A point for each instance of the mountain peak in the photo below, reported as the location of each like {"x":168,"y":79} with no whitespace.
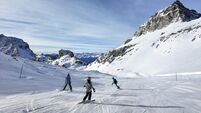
{"x":173,"y":13}
{"x":15,"y":47}
{"x":183,"y":13}
{"x":177,"y":2}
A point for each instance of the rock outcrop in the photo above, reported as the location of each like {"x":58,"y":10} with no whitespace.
{"x":175,"y":12}
{"x":15,"y":47}
{"x":63,"y":52}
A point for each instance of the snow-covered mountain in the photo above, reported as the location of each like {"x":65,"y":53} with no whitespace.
{"x":66,"y":58}
{"x":46,"y":58}
{"x":28,"y":86}
{"x":15,"y":47}
{"x":169,"y":42}
{"x":38,"y":91}
{"x":68,"y":62}
{"x":87,"y":57}
{"x":174,"y":13}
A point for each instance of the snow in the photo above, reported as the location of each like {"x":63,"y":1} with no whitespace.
{"x":150,"y":56}
{"x":38,"y":91}
{"x":68,"y":62}
{"x":87,"y":57}
{"x":66,"y":59}
{"x":160,"y":74}
{"x":15,"y":47}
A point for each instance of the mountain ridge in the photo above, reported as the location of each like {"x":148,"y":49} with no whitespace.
{"x":173,"y":13}
{"x":15,"y":47}
{"x":155,"y":51}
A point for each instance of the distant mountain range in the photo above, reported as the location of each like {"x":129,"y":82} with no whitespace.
{"x":87,"y":58}
{"x":18,"y":48}
{"x":169,"y":42}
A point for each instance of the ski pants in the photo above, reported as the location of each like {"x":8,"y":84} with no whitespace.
{"x":69,"y":86}
{"x":88,"y":94}
{"x":117,"y":86}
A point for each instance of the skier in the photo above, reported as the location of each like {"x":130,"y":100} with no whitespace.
{"x":88,"y":85}
{"x":115,"y":82}
{"x":68,"y":82}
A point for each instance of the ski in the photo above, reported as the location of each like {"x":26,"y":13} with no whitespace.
{"x":87,"y":101}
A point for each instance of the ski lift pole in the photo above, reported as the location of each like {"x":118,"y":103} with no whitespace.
{"x":21,"y":70}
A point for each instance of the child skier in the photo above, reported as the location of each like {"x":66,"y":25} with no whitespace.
{"x":88,"y":85}
{"x":115,"y":82}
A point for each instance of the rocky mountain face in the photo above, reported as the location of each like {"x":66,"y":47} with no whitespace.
{"x":175,"y":12}
{"x":66,"y":52}
{"x":15,"y":47}
{"x":111,"y":55}
{"x":46,"y":57}
{"x":67,"y":59}
{"x":68,"y":62}
{"x":166,"y":40}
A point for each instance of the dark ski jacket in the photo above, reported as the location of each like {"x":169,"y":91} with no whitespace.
{"x":114,"y":81}
{"x":68,"y":79}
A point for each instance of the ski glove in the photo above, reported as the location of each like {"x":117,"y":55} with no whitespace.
{"x":94,"y":89}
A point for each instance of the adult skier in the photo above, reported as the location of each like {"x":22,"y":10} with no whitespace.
{"x":89,"y":87}
{"x":115,"y":82}
{"x":68,"y":82}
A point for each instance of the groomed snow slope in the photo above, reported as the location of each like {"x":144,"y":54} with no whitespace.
{"x":173,"y":49}
{"x":38,"y":91}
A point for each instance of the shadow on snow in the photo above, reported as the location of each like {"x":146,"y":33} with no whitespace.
{"x":141,"y":106}
{"x":138,"y":89}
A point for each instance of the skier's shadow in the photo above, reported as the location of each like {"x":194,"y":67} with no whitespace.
{"x":140,"y":106}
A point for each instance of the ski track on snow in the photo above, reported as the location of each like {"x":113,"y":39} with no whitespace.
{"x":155,"y":94}
{"x":152,"y":97}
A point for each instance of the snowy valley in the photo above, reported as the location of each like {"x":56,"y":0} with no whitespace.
{"x":39,"y":91}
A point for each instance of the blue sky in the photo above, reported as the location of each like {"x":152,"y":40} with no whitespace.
{"x":78,"y":25}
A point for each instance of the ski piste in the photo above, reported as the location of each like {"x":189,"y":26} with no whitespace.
{"x":87,"y":101}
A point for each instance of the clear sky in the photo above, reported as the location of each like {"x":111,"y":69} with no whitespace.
{"x":78,"y":25}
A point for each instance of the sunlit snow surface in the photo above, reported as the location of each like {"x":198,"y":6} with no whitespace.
{"x":173,"y":49}
{"x":38,"y":91}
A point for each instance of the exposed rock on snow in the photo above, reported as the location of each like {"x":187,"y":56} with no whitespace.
{"x":170,"y":43}
{"x":111,"y":55}
{"x":68,"y":61}
{"x":65,"y":58}
{"x":15,"y":47}
{"x":46,"y":57}
{"x":128,"y":40}
{"x":175,"y":12}
{"x":65,"y":52}
{"x":87,"y":58}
